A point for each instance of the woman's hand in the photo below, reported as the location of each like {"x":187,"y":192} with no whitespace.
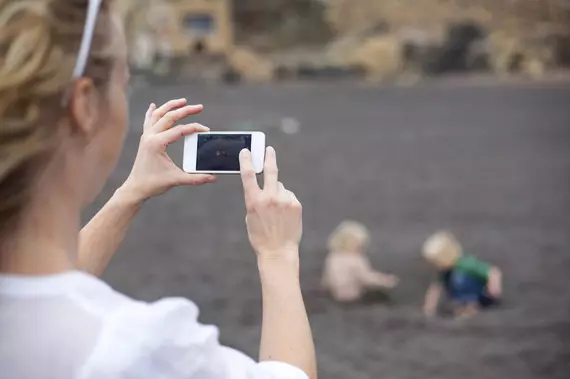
{"x":274,"y":225}
{"x":154,"y":172}
{"x":274,"y":215}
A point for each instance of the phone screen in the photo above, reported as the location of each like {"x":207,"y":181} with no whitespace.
{"x":220,"y":152}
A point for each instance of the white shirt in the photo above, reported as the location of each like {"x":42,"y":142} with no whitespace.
{"x":75,"y":326}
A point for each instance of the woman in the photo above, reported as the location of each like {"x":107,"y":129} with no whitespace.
{"x":63,"y":115}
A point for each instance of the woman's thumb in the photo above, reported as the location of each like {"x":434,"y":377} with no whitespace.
{"x":194,"y":179}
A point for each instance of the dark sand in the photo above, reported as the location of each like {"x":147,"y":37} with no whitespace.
{"x":491,"y":163}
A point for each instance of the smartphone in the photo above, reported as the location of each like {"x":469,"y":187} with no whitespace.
{"x":218,"y":152}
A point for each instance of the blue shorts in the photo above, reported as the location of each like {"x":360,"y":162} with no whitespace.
{"x":464,"y":289}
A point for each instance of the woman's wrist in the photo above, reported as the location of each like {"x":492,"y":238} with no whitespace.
{"x":281,"y":265}
{"x":128,"y":196}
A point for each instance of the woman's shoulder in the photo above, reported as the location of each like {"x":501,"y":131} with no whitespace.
{"x":147,"y":323}
{"x":141,"y":337}
{"x":124,"y":315}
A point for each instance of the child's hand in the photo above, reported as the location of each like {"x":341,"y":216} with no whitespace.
{"x":494,"y":290}
{"x":391,"y":281}
{"x":433,"y":295}
{"x":494,"y":284}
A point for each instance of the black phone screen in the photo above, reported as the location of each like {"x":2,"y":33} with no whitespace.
{"x":220,"y":152}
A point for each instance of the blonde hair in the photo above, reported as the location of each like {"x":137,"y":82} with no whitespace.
{"x":39,"y":43}
{"x":347,"y":235}
{"x":442,"y":249}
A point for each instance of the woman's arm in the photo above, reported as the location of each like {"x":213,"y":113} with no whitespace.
{"x":286,"y":332}
{"x":153,"y":173}
{"x":101,"y":237}
{"x":433,"y":295}
{"x":274,"y":224}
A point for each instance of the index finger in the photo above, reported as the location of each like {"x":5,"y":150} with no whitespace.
{"x":159,"y":112}
{"x":270,"y":172}
{"x":248,"y":177}
{"x":168,"y":120}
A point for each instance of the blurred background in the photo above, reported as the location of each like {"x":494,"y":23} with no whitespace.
{"x":406,"y":115}
{"x":378,"y":40}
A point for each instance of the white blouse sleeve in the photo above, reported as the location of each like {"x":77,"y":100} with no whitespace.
{"x":164,"y":340}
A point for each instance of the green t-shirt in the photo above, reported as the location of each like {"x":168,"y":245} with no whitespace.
{"x":473,"y":266}
{"x":469,"y":265}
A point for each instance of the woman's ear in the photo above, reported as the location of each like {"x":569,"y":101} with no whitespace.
{"x":84,"y":110}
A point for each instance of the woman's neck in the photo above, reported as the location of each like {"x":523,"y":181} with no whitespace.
{"x":45,"y":242}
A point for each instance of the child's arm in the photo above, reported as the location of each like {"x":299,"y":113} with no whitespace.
{"x":433,"y":295}
{"x":491,"y":274}
{"x":495,"y":282}
{"x":379,"y":279}
{"x":375,"y":279}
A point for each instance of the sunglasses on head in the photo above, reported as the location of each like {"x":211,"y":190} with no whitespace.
{"x":86,"y":41}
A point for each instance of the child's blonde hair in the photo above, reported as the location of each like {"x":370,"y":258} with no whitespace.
{"x":442,"y":249}
{"x":348,"y":235}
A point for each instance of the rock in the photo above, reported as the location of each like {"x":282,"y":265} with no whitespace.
{"x":562,"y":43}
{"x":478,"y":57}
{"x":530,"y":55}
{"x":505,"y":52}
{"x":555,"y":46}
{"x":420,"y":49}
{"x":460,"y":50}
{"x":380,"y":56}
{"x":328,"y":72}
{"x":250,"y":65}
{"x":534,"y":68}
{"x":283,"y":72}
{"x":230,"y":76}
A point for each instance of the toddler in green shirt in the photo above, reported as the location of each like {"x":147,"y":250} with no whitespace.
{"x":468,"y":282}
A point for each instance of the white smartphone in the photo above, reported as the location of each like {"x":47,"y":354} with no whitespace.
{"x":218,"y":152}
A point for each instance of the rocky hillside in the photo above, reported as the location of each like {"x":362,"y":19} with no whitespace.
{"x":282,"y":23}
{"x":511,"y":15}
